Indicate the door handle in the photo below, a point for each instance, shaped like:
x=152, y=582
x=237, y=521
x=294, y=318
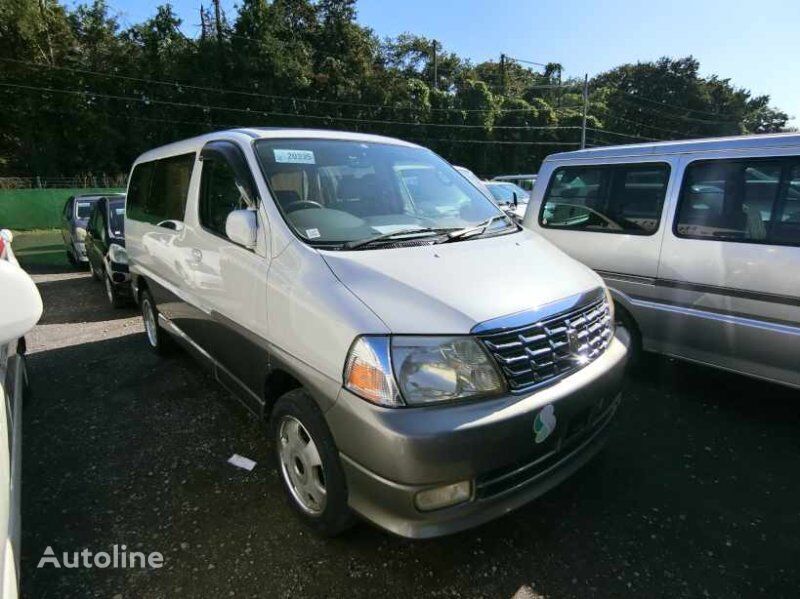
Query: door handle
x=196, y=255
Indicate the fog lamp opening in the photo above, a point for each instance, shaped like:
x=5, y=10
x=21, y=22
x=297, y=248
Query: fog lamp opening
x=444, y=496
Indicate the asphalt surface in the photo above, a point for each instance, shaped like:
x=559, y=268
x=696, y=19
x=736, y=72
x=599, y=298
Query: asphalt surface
x=696, y=493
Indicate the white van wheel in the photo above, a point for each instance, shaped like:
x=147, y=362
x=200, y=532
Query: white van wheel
x=156, y=337
x=309, y=465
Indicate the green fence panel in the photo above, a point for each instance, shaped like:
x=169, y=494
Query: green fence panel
x=25, y=209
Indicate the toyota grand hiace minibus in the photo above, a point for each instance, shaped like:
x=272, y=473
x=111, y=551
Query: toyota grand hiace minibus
x=698, y=240
x=423, y=362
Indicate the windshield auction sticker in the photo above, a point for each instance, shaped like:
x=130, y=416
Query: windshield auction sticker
x=294, y=156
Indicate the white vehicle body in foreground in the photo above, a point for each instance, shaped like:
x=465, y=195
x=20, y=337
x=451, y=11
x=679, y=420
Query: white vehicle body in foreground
x=357, y=291
x=20, y=309
x=698, y=240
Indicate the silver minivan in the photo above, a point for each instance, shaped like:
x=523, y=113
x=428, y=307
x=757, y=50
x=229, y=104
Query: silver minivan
x=422, y=360
x=698, y=240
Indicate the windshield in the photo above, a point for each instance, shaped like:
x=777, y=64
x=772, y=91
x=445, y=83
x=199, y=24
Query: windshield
x=333, y=192
x=116, y=218
x=83, y=207
x=504, y=192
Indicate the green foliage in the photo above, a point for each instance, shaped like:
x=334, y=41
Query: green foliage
x=80, y=93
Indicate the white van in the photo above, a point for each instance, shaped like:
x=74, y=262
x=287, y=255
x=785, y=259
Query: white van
x=699, y=241
x=346, y=287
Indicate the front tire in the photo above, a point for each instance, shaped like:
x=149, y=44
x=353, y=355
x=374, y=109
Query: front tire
x=157, y=338
x=308, y=464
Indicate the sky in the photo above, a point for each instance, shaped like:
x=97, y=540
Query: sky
x=755, y=44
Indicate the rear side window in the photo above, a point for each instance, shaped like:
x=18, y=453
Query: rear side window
x=619, y=198
x=159, y=191
x=750, y=200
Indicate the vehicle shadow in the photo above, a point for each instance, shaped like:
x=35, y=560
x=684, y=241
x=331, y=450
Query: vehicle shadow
x=76, y=297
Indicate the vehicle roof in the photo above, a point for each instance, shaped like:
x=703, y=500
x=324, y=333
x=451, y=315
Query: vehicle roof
x=504, y=177
x=247, y=134
x=685, y=146
x=496, y=182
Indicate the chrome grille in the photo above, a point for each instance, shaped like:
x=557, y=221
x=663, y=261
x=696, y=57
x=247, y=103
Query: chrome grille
x=551, y=348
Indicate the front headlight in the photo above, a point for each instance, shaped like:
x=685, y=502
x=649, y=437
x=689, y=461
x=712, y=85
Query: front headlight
x=434, y=369
x=410, y=370
x=117, y=254
x=80, y=233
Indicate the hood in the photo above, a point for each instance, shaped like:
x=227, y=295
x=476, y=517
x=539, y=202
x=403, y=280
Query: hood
x=449, y=288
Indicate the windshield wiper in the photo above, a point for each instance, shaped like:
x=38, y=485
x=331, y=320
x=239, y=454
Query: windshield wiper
x=404, y=233
x=480, y=228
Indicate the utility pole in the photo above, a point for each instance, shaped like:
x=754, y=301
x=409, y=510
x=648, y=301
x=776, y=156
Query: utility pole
x=585, y=109
x=202, y=23
x=435, y=66
x=503, y=73
x=218, y=22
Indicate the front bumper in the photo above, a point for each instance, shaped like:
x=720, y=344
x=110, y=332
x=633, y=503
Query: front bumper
x=389, y=455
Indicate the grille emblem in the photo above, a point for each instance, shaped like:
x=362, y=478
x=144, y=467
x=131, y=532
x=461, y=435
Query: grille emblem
x=574, y=342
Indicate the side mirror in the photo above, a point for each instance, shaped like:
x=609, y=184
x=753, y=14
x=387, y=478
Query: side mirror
x=20, y=302
x=241, y=227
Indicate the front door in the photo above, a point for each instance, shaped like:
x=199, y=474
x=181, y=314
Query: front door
x=228, y=280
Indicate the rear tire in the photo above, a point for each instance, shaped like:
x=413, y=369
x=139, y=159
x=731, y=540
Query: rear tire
x=308, y=464
x=157, y=338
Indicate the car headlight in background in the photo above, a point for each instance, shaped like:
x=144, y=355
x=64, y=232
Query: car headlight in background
x=80, y=233
x=410, y=370
x=117, y=254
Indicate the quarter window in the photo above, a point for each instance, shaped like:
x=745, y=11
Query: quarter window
x=754, y=201
x=219, y=195
x=625, y=198
x=158, y=193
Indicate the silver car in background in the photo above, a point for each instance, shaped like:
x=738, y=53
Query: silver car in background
x=74, y=219
x=699, y=242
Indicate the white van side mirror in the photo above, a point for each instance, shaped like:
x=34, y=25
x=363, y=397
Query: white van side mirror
x=241, y=227
x=20, y=302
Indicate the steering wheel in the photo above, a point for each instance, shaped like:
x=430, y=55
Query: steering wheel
x=302, y=204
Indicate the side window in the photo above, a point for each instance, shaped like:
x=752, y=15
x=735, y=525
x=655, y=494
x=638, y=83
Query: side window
x=735, y=200
x=786, y=224
x=625, y=198
x=138, y=190
x=219, y=195
x=159, y=191
x=68, y=208
x=167, y=199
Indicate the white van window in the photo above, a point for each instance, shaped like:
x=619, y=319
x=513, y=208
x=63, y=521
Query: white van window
x=335, y=191
x=738, y=200
x=158, y=190
x=620, y=198
x=219, y=195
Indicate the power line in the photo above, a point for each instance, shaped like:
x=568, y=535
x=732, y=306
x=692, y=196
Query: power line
x=629, y=97
x=181, y=84
x=622, y=134
x=249, y=111
x=619, y=118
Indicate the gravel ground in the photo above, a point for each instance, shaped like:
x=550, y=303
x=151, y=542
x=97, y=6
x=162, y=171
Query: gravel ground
x=695, y=495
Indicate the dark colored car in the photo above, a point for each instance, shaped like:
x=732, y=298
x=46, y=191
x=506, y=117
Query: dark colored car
x=105, y=248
